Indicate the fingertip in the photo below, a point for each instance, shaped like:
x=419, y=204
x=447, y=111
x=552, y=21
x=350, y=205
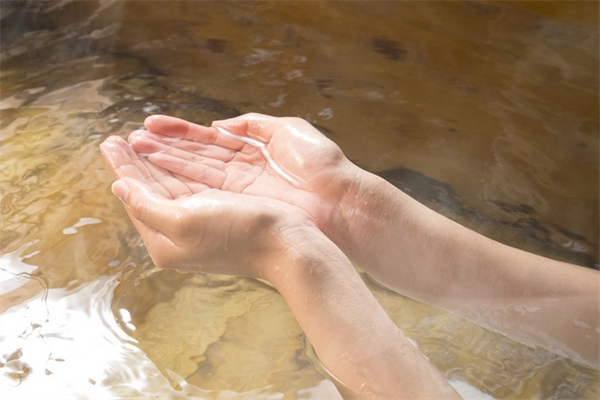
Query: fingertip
x=158, y=122
x=111, y=146
x=111, y=140
x=120, y=189
x=149, y=121
x=135, y=135
x=104, y=144
x=254, y=125
x=167, y=125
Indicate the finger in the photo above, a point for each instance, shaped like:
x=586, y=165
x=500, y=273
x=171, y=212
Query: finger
x=193, y=185
x=195, y=169
x=123, y=162
x=145, y=143
x=149, y=210
x=179, y=128
x=165, y=253
x=265, y=127
x=174, y=185
x=126, y=163
x=161, y=247
x=121, y=190
x=253, y=125
x=176, y=167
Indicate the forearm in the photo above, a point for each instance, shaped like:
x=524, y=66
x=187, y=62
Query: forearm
x=389, y=235
x=424, y=255
x=534, y=300
x=352, y=335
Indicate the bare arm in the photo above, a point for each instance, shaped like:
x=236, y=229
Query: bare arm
x=396, y=240
x=352, y=335
x=532, y=299
x=191, y=227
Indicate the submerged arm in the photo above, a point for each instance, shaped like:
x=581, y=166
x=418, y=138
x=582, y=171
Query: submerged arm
x=420, y=253
x=185, y=229
x=352, y=335
x=400, y=242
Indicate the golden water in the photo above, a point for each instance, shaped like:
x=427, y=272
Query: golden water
x=486, y=112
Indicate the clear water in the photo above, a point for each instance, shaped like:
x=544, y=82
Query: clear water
x=486, y=112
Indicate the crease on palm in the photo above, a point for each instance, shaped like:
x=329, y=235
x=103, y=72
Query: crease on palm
x=243, y=169
x=227, y=166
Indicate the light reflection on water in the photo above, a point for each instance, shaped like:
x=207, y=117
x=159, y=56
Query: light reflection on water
x=67, y=343
x=464, y=120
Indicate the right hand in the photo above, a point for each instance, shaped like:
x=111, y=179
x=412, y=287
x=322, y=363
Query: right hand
x=323, y=175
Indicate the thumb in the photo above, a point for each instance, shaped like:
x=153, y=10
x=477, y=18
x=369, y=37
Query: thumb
x=143, y=204
x=120, y=189
x=253, y=125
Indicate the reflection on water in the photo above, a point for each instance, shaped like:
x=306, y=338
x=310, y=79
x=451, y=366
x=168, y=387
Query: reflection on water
x=486, y=112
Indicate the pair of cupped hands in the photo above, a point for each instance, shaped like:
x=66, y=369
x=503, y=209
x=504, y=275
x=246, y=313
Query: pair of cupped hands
x=230, y=197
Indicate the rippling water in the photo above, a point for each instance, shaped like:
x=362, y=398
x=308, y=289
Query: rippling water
x=486, y=112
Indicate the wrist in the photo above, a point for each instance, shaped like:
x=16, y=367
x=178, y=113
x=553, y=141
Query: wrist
x=352, y=335
x=292, y=252
x=356, y=220
x=388, y=234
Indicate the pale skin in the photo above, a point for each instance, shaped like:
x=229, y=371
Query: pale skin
x=191, y=227
x=393, y=238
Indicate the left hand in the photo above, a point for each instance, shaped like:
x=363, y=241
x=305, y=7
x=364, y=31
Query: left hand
x=190, y=227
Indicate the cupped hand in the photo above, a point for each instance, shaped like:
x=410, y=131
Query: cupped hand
x=190, y=226
x=284, y=159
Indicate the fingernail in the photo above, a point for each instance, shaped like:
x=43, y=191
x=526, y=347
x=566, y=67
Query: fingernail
x=120, y=189
x=151, y=118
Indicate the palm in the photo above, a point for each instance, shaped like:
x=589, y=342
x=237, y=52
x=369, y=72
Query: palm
x=123, y=162
x=184, y=222
x=201, y=157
